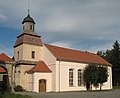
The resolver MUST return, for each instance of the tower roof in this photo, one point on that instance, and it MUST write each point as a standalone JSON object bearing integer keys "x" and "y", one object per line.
{"x": 28, "y": 38}
{"x": 28, "y": 19}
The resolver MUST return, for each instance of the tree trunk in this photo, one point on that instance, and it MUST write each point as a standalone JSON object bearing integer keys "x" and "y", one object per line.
{"x": 100, "y": 86}
{"x": 90, "y": 86}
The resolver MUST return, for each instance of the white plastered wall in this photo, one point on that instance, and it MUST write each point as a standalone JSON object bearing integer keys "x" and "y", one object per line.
{"x": 50, "y": 61}
{"x": 25, "y": 52}
{"x": 37, "y": 76}
{"x": 62, "y": 77}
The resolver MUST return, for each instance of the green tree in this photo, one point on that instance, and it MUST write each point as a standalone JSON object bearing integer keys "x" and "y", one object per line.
{"x": 102, "y": 76}
{"x": 113, "y": 56}
{"x": 94, "y": 75}
{"x": 102, "y": 54}
{"x": 115, "y": 61}
{"x": 90, "y": 75}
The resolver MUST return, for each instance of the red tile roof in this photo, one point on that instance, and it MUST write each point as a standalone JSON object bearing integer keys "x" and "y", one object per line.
{"x": 2, "y": 70}
{"x": 4, "y": 57}
{"x": 40, "y": 67}
{"x": 75, "y": 55}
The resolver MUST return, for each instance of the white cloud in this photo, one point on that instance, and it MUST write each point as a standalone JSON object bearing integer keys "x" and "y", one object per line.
{"x": 62, "y": 44}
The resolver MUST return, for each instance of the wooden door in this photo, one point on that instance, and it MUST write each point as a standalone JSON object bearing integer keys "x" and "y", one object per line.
{"x": 42, "y": 85}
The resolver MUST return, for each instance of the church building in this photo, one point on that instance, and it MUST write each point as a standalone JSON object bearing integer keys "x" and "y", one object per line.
{"x": 41, "y": 67}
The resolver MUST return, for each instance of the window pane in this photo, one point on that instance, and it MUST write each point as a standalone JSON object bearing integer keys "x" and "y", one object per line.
{"x": 79, "y": 77}
{"x": 70, "y": 77}
{"x": 30, "y": 27}
{"x": 33, "y": 54}
{"x": 18, "y": 54}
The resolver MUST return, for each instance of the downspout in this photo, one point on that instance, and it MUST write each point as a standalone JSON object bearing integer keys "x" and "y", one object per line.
{"x": 59, "y": 75}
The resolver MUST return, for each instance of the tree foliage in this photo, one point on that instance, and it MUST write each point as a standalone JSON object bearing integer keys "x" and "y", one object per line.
{"x": 102, "y": 75}
{"x": 90, "y": 74}
{"x": 93, "y": 75}
{"x": 113, "y": 56}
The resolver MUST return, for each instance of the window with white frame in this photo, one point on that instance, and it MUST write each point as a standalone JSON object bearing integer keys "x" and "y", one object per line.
{"x": 70, "y": 77}
{"x": 79, "y": 77}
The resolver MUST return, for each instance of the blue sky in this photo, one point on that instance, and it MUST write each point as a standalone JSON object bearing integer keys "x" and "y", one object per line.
{"x": 86, "y": 25}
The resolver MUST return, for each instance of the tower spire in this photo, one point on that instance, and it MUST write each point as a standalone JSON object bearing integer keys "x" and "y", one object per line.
{"x": 28, "y": 10}
{"x": 28, "y": 7}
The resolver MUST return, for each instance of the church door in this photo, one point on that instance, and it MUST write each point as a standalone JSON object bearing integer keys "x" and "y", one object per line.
{"x": 42, "y": 85}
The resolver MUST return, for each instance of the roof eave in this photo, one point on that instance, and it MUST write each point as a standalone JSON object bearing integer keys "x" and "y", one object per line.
{"x": 77, "y": 61}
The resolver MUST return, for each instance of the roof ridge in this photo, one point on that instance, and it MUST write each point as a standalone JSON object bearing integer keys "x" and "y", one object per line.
{"x": 69, "y": 49}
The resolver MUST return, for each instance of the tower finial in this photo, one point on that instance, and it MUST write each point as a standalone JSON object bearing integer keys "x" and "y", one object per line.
{"x": 28, "y": 7}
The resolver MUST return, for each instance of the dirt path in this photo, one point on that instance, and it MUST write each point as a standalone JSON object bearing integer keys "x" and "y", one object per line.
{"x": 96, "y": 94}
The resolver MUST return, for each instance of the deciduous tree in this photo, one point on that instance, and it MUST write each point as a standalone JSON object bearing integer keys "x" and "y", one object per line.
{"x": 90, "y": 75}
{"x": 95, "y": 75}
{"x": 102, "y": 76}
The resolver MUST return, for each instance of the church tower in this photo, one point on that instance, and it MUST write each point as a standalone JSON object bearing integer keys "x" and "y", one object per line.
{"x": 27, "y": 50}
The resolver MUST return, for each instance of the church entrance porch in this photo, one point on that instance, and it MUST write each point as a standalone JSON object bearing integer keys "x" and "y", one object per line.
{"x": 42, "y": 85}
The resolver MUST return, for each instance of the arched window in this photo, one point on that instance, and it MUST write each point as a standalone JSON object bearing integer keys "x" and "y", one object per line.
{"x": 70, "y": 77}
{"x": 79, "y": 77}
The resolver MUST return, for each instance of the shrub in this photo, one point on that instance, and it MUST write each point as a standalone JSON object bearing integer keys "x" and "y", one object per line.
{"x": 18, "y": 88}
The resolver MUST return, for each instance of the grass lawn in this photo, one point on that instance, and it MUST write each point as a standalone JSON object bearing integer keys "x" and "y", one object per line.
{"x": 11, "y": 95}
